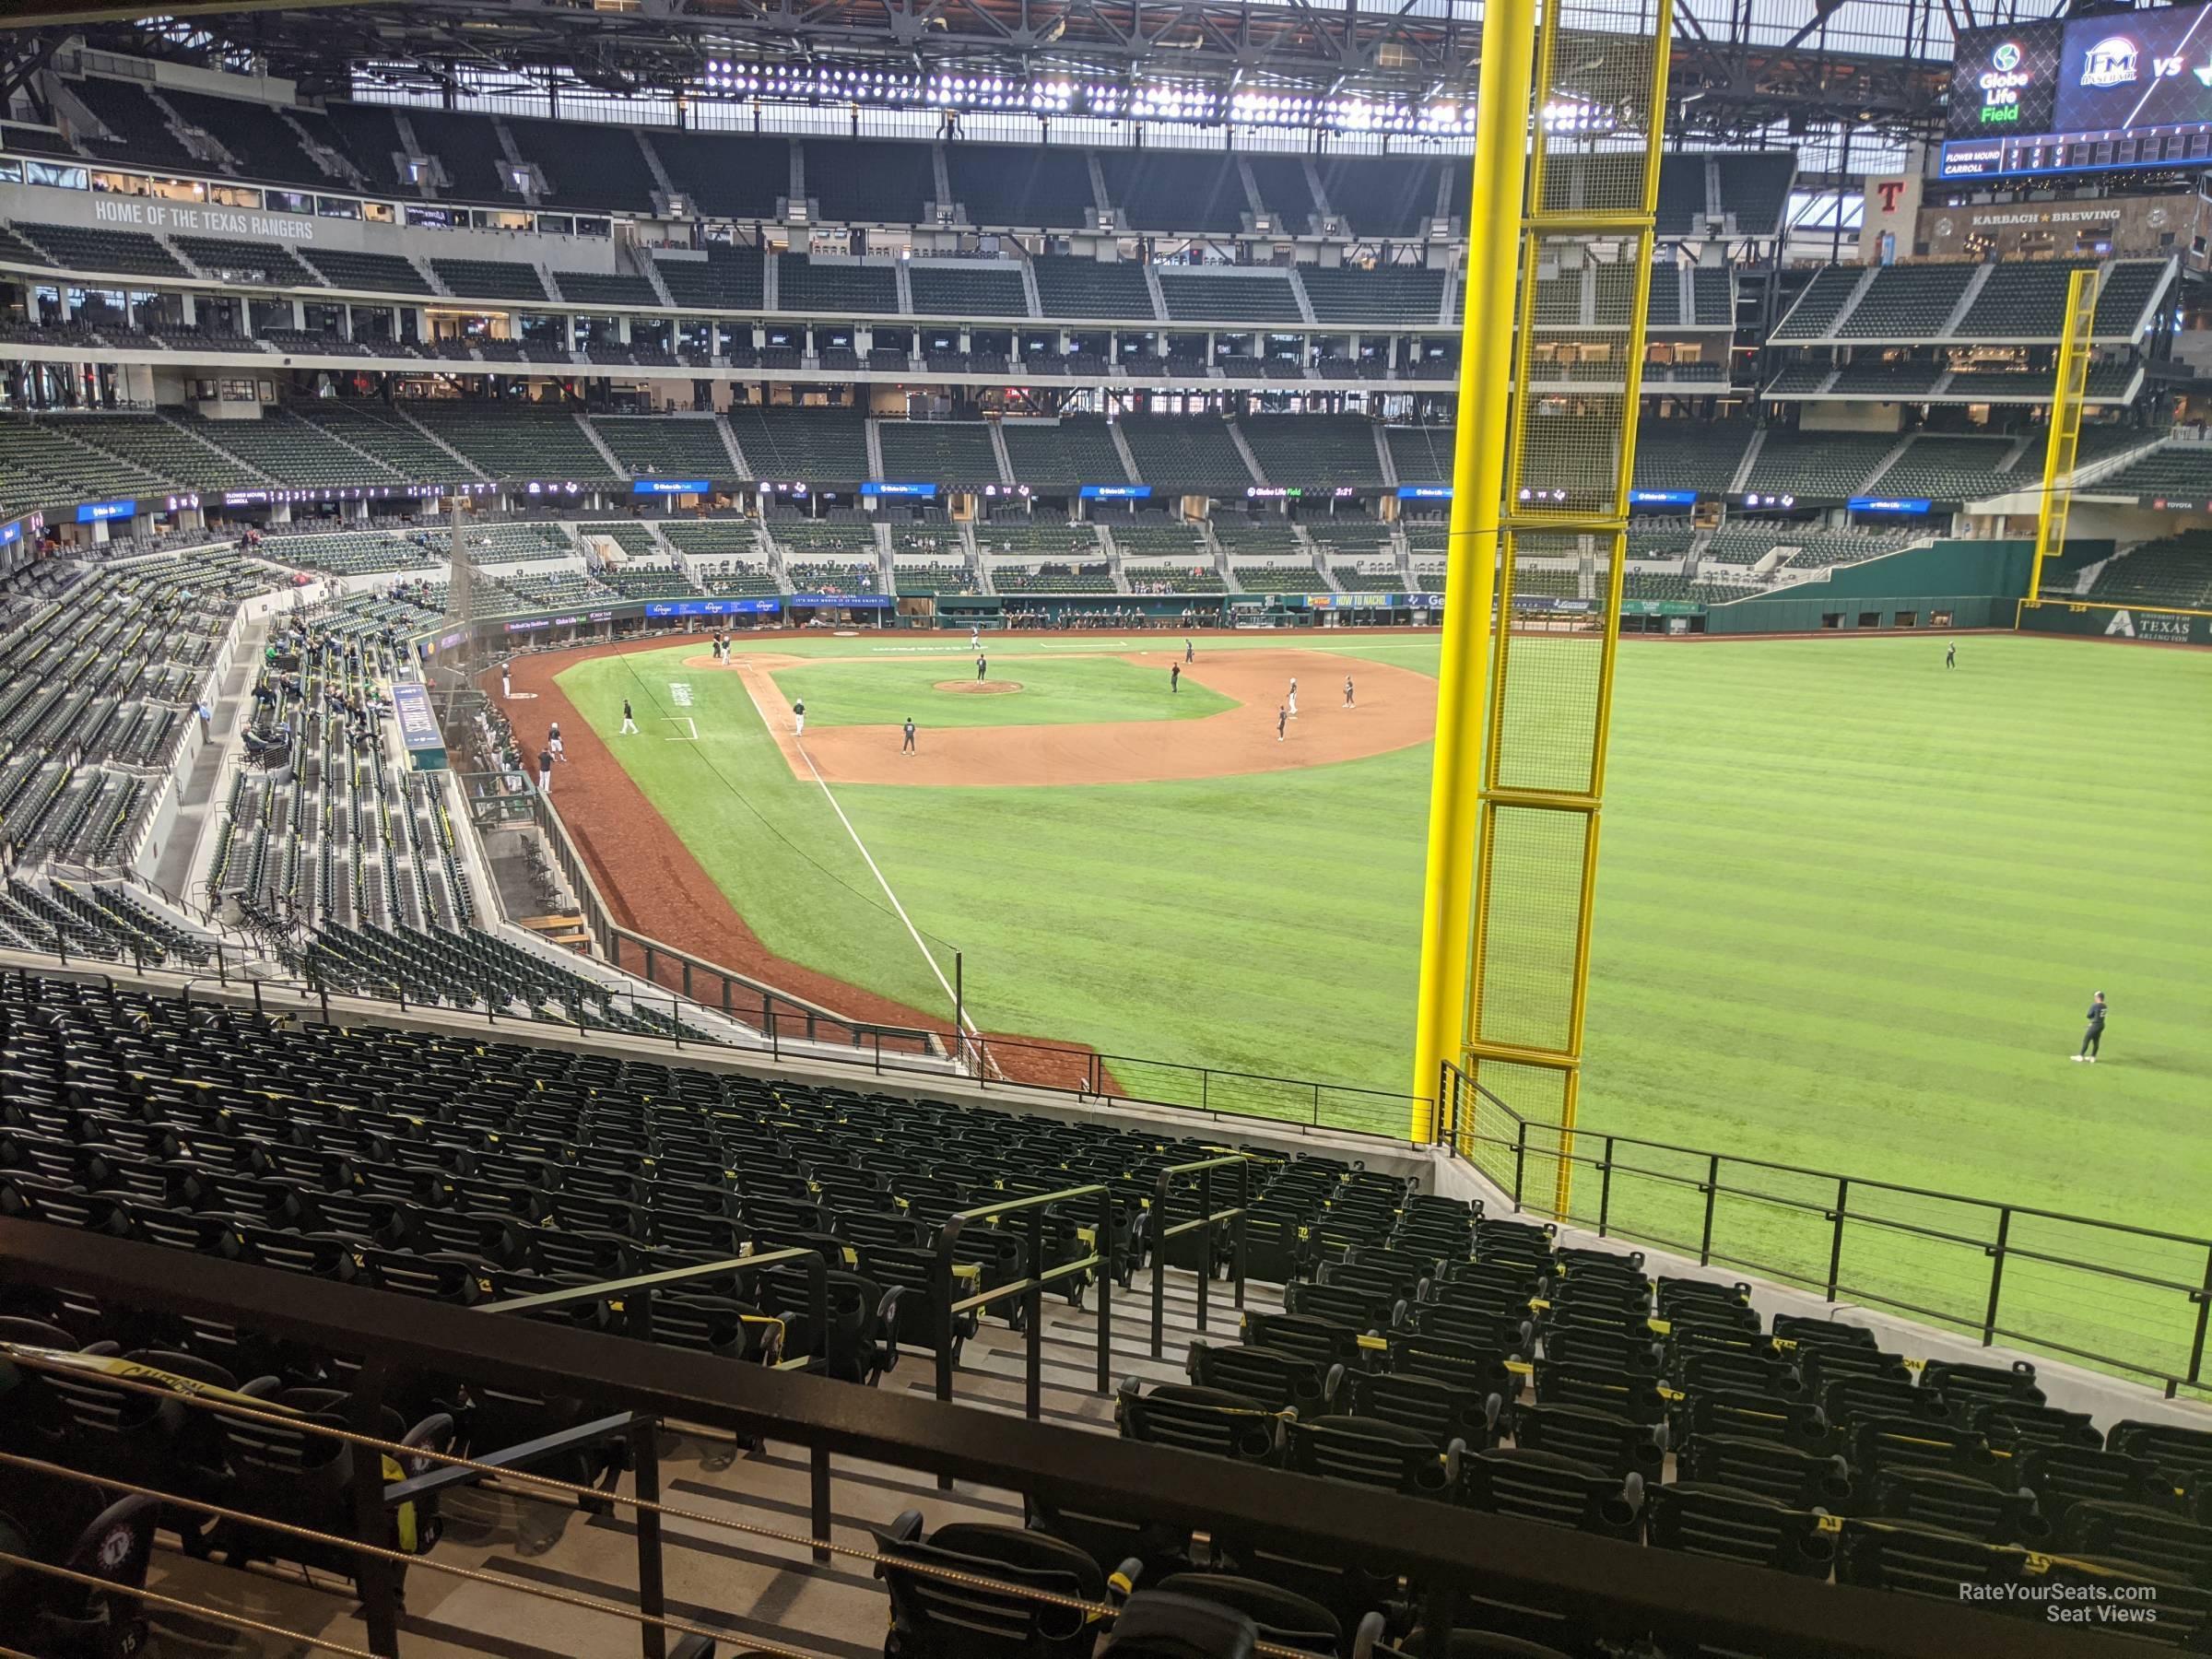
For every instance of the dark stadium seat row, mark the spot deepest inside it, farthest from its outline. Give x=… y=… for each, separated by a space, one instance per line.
x=580 y=165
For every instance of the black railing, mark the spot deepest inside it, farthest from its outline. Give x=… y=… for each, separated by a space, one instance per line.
x=1454 y=1555
x=1160 y=1229
x=952 y=1310
x=2135 y=1300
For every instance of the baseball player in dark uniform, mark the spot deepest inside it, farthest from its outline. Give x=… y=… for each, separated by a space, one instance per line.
x=908 y=746
x=2095 y=1034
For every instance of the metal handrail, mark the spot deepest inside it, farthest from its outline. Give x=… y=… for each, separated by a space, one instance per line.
x=1029 y=1288
x=1205 y=1221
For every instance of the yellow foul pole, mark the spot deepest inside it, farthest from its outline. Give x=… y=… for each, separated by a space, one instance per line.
x=1485 y=352
x=2065 y=426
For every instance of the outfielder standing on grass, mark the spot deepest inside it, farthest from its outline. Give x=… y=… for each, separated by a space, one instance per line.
x=1174 y=677
x=629 y=726
x=2095 y=1034
x=982 y=662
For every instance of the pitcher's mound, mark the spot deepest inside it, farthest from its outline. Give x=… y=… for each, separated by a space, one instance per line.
x=987 y=687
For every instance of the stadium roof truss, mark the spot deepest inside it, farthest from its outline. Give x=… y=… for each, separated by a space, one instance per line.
x=1743 y=68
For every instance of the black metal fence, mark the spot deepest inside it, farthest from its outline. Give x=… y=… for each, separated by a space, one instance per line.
x=2131 y=1299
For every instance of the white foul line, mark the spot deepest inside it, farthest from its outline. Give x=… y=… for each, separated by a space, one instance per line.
x=967 y=1024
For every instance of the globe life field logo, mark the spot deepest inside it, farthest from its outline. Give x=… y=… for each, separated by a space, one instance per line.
x=2001 y=83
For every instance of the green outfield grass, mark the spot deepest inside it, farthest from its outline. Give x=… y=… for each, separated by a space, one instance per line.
x=1850 y=908
x=1055 y=691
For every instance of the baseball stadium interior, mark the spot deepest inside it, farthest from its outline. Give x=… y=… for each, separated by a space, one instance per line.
x=409 y=1246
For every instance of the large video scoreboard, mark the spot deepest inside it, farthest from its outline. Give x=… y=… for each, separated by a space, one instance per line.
x=2131 y=91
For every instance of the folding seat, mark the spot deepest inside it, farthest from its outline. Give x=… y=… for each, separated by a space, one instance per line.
x=1885 y=1555
x=1383 y=1286
x=1733 y=1525
x=1847 y=1398
x=1326 y=1342
x=858 y=1341
x=914 y=1309
x=1823 y=1363
x=1876 y=1443
x=1780 y=1473
x=283 y=1472
x=1696 y=1368
x=1729 y=1411
x=316 y=1255
x=1279 y=1381
x=1598 y=1388
x=715 y=1238
x=1441 y=1410
x=2184 y=1453
x=403 y=1184
x=1513 y=1281
x=1567 y=1343
x=1275 y=1249
x=1438 y=1244
x=939 y=1616
x=1676 y=1294
x=60 y=1204
x=1378 y=1267
x=1462 y=1364
x=1339 y=1232
x=2149 y=1537
x=1557 y=1491
x=1343 y=1304
x=851 y=1189
x=874 y=1230
x=1959 y=1382
x=1530 y=1235
x=2016 y=1427
x=1212 y=1420
x=449 y=1278
x=86 y=1530
x=720 y=1326
x=494 y=1195
x=587 y=1183
x=1600 y=1439
x=1490 y=1327
x=575 y=1212
x=1804 y=1331
x=1973 y=1509
x=494 y=1240
x=586 y=1258
x=2063 y=1476
x=1281 y=1617
x=1370 y=1452
x=767 y=1210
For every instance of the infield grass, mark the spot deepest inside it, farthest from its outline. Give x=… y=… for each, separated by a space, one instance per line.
x=1851 y=909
